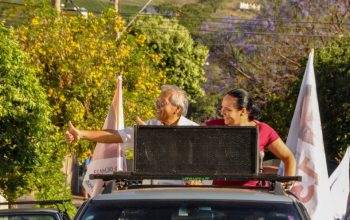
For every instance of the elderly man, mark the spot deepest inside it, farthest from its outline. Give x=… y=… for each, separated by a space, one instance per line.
x=171 y=109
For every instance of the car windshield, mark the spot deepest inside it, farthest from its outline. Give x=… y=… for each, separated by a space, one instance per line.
x=192 y=210
x=26 y=217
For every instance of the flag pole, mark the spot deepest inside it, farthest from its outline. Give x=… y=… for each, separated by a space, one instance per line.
x=120 y=119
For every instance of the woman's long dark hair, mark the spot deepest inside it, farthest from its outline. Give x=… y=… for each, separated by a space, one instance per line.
x=244 y=100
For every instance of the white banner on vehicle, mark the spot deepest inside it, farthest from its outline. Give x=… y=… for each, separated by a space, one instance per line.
x=107 y=158
x=102 y=166
x=305 y=139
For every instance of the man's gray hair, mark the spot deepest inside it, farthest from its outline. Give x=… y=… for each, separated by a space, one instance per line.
x=179 y=97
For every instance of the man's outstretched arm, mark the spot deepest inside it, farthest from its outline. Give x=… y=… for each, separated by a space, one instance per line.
x=101 y=136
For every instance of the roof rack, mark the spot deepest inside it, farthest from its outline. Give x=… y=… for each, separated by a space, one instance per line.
x=128 y=180
x=187 y=176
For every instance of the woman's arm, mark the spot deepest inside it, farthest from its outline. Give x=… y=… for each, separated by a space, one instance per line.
x=282 y=152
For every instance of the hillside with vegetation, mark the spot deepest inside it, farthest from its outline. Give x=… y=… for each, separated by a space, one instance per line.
x=127 y=7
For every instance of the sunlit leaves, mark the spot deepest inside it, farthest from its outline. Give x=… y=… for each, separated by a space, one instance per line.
x=175 y=52
x=78 y=60
x=24 y=118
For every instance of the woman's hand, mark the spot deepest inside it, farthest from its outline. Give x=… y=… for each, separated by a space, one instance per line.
x=288 y=185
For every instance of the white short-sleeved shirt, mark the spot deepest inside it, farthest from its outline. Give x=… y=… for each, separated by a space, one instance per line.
x=127 y=135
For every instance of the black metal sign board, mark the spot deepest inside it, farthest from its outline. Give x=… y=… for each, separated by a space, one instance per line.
x=196 y=150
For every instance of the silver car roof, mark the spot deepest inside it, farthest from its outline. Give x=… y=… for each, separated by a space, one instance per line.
x=193 y=193
x=29 y=210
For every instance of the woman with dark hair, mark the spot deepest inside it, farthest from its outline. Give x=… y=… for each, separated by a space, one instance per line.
x=239 y=109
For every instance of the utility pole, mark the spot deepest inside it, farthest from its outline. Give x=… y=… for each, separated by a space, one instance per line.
x=116 y=6
x=57 y=5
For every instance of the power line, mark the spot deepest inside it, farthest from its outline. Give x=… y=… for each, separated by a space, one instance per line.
x=134 y=18
x=252 y=45
x=223 y=20
x=237 y=19
x=246 y=27
x=104 y=6
x=244 y=32
x=230 y=31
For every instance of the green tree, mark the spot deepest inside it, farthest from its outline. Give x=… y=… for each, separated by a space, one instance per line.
x=178 y=54
x=168 y=9
x=214 y=4
x=332 y=72
x=24 y=119
x=205 y=108
x=30 y=146
x=315 y=25
x=332 y=77
x=264 y=55
x=193 y=15
x=78 y=60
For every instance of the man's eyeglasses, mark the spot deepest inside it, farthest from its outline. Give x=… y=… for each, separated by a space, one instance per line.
x=160 y=103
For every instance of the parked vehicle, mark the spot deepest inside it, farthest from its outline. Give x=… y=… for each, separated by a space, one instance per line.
x=33 y=213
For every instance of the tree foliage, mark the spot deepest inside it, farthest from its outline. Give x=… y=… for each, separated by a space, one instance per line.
x=180 y=56
x=264 y=55
x=78 y=59
x=25 y=126
x=332 y=77
x=314 y=25
x=332 y=70
x=191 y=15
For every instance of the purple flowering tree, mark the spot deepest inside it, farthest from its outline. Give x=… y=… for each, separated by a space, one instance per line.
x=263 y=54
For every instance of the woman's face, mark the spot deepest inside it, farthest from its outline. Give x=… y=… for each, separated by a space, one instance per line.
x=229 y=111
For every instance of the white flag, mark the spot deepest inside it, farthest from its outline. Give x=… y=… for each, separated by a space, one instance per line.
x=339 y=185
x=305 y=139
x=107 y=158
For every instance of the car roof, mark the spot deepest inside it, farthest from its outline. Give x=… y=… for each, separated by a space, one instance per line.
x=195 y=193
x=29 y=210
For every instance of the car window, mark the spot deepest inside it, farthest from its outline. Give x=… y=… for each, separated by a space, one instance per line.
x=190 y=210
x=65 y=216
x=27 y=217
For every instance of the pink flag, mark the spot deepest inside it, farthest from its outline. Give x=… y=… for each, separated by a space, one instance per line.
x=339 y=185
x=107 y=158
x=306 y=142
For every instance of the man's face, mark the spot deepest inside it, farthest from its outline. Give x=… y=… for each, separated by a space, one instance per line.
x=166 y=112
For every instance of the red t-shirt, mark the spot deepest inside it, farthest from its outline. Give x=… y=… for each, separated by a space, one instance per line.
x=267 y=135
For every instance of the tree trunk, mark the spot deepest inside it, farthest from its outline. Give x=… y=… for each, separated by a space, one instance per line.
x=57 y=5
